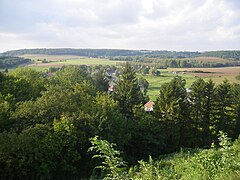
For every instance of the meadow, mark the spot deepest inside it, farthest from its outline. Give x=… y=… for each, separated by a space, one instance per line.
x=155 y=82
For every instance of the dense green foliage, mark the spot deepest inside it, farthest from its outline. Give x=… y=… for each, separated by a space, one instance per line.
x=47 y=124
x=162 y=63
x=223 y=54
x=99 y=52
x=118 y=54
x=219 y=162
x=10 y=62
x=113 y=164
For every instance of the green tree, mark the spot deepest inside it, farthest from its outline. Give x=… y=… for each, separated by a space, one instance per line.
x=147 y=137
x=128 y=92
x=27 y=84
x=224 y=117
x=5 y=122
x=171 y=103
x=143 y=83
x=155 y=72
x=172 y=107
x=99 y=80
x=70 y=75
x=145 y=70
x=39 y=153
x=173 y=63
x=202 y=103
x=53 y=103
x=111 y=124
x=236 y=105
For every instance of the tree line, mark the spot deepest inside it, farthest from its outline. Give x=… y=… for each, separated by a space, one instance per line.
x=182 y=63
x=118 y=53
x=47 y=122
x=10 y=62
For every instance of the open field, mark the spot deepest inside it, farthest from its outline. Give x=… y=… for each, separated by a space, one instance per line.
x=218 y=75
x=61 y=60
x=155 y=82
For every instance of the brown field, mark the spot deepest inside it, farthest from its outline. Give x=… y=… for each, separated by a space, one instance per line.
x=217 y=74
x=228 y=71
x=53 y=58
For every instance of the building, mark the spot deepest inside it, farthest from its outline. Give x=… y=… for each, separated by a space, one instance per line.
x=149 y=106
x=111 y=85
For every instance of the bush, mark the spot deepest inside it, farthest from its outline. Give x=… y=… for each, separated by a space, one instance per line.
x=113 y=166
x=221 y=163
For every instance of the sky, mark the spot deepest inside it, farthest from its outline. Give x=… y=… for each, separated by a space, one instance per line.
x=180 y=25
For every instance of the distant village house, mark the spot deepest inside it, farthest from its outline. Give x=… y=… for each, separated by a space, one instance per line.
x=149 y=106
x=111 y=85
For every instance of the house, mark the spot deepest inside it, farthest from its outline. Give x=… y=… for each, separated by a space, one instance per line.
x=149 y=106
x=111 y=85
x=110 y=89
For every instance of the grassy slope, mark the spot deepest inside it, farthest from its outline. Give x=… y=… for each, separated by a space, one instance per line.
x=219 y=164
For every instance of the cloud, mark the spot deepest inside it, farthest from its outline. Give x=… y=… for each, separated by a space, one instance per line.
x=135 y=24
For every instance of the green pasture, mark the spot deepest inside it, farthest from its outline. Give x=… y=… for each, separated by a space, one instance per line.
x=155 y=82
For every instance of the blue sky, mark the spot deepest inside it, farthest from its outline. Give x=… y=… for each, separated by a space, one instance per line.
x=196 y=25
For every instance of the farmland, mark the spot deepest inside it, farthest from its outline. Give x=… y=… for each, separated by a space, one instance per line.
x=156 y=81
x=218 y=75
x=41 y=62
x=189 y=74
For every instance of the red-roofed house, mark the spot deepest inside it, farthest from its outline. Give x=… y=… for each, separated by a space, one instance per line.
x=149 y=106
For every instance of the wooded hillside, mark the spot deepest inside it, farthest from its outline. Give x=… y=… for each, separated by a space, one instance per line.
x=124 y=52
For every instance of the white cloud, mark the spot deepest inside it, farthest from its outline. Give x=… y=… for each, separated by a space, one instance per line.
x=11 y=41
x=145 y=24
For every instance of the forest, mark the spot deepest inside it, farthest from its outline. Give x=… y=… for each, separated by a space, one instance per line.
x=11 y=62
x=65 y=124
x=235 y=55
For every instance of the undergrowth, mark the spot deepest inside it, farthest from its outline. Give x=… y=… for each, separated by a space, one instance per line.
x=219 y=162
